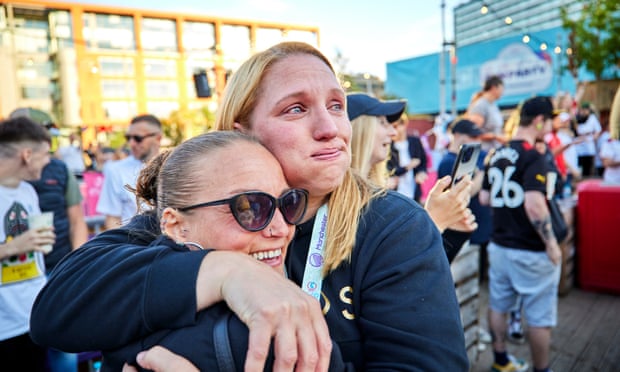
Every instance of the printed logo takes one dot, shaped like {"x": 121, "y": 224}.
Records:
{"x": 316, "y": 260}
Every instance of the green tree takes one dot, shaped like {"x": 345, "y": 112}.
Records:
{"x": 594, "y": 36}
{"x": 186, "y": 123}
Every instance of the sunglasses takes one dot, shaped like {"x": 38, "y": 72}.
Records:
{"x": 138, "y": 139}
{"x": 253, "y": 210}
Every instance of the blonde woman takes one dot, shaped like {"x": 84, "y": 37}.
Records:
{"x": 380, "y": 276}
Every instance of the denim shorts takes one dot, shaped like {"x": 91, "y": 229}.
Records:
{"x": 530, "y": 275}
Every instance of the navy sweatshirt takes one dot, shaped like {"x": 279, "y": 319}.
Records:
{"x": 392, "y": 308}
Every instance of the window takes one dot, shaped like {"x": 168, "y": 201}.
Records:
{"x": 162, "y": 109}
{"x": 159, "y": 35}
{"x": 31, "y": 69}
{"x": 162, "y": 89}
{"x": 160, "y": 68}
{"x": 199, "y": 37}
{"x": 235, "y": 42}
{"x": 31, "y": 35}
{"x": 118, "y": 88}
{"x": 119, "y": 110}
{"x": 108, "y": 31}
{"x": 38, "y": 91}
{"x": 111, "y": 66}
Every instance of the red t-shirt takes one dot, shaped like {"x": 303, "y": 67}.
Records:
{"x": 553, "y": 141}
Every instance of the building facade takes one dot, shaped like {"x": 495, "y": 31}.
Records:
{"x": 522, "y": 41}
{"x": 95, "y": 67}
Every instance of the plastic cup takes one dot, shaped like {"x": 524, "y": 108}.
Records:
{"x": 39, "y": 221}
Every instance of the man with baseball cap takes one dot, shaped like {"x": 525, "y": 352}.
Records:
{"x": 524, "y": 255}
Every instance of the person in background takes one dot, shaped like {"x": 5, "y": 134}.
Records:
{"x": 602, "y": 138}
{"x": 589, "y": 127}
{"x": 370, "y": 145}
{"x": 484, "y": 112}
{"x": 72, "y": 155}
{"x": 376, "y": 244}
{"x": 524, "y": 255}
{"x": 117, "y": 203}
{"x": 58, "y": 192}
{"x": 564, "y": 149}
{"x": 610, "y": 150}
{"x": 24, "y": 151}
{"x": 463, "y": 131}
{"x": 407, "y": 160}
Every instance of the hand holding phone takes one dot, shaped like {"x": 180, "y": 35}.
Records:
{"x": 466, "y": 162}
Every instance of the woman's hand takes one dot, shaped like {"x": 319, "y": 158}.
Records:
{"x": 160, "y": 359}
{"x": 272, "y": 307}
{"x": 449, "y": 208}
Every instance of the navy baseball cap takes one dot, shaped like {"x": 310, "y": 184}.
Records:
{"x": 537, "y": 106}
{"x": 467, "y": 127}
{"x": 362, "y": 104}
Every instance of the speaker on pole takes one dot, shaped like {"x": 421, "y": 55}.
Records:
{"x": 201, "y": 82}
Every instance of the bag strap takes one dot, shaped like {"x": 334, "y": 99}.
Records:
{"x": 221, "y": 342}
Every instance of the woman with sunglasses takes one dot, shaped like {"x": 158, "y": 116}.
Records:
{"x": 376, "y": 263}
{"x": 248, "y": 219}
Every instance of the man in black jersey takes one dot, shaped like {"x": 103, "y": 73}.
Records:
{"x": 524, "y": 255}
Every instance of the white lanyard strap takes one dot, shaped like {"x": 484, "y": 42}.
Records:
{"x": 313, "y": 277}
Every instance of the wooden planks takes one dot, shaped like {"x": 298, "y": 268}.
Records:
{"x": 587, "y": 338}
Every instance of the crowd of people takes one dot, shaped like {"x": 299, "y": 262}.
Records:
{"x": 323, "y": 187}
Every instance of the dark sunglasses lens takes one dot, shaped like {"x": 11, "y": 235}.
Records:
{"x": 138, "y": 139}
{"x": 253, "y": 210}
{"x": 293, "y": 205}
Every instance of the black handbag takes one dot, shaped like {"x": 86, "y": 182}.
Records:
{"x": 558, "y": 223}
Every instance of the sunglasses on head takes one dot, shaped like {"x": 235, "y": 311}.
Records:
{"x": 138, "y": 139}
{"x": 253, "y": 210}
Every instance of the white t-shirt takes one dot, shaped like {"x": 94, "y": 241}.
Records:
{"x": 115, "y": 199}
{"x": 590, "y": 127}
{"x": 406, "y": 183}
{"x": 72, "y": 156}
{"x": 23, "y": 276}
{"x": 570, "y": 154}
{"x": 611, "y": 150}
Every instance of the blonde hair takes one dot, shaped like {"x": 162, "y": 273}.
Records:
{"x": 512, "y": 123}
{"x": 349, "y": 198}
{"x": 614, "y": 117}
{"x": 362, "y": 145}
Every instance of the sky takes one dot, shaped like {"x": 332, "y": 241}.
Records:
{"x": 369, "y": 33}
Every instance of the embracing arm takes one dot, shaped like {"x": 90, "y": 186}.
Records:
{"x": 109, "y": 292}
{"x": 103, "y": 296}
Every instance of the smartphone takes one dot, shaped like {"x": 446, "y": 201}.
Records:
{"x": 466, "y": 162}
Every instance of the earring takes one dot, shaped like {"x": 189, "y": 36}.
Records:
{"x": 194, "y": 245}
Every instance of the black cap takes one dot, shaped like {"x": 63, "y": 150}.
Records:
{"x": 537, "y": 106}
{"x": 363, "y": 104}
{"x": 467, "y": 127}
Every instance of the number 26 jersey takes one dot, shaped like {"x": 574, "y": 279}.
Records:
{"x": 512, "y": 170}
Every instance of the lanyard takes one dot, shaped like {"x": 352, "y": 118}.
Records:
{"x": 313, "y": 278}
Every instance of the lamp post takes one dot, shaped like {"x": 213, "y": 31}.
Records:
{"x": 368, "y": 84}
{"x": 442, "y": 65}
